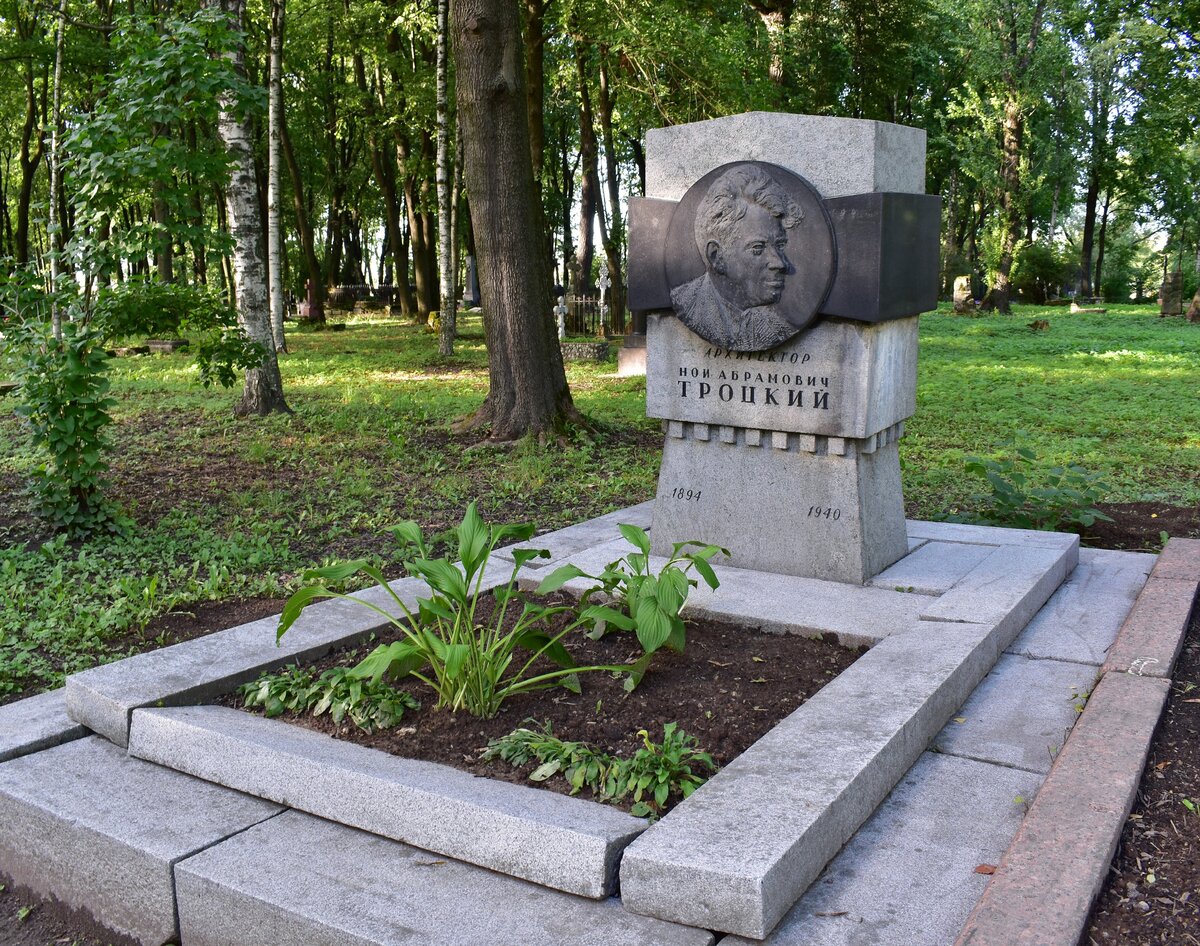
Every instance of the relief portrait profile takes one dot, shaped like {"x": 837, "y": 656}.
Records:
{"x": 758, "y": 260}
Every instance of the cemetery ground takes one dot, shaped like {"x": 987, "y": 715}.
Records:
{"x": 226, "y": 513}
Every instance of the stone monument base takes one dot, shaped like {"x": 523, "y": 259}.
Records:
{"x": 793, "y": 504}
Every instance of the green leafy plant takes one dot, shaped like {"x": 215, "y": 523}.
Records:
{"x": 655, "y": 773}
{"x": 63, "y": 395}
{"x": 368, "y": 704}
{"x": 633, "y": 597}
{"x": 471, "y": 663}
{"x": 1026, "y": 495}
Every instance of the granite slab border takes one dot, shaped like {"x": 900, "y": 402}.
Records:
{"x": 36, "y": 723}
{"x": 566, "y": 843}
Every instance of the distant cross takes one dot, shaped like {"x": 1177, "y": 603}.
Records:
{"x": 560, "y": 312}
{"x": 603, "y": 282}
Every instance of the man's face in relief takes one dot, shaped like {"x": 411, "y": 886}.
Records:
{"x": 750, "y": 270}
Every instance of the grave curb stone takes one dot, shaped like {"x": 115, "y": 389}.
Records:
{"x": 562, "y": 842}
{"x": 563, "y": 543}
{"x": 1044, "y": 887}
{"x": 709, "y": 863}
{"x": 1180, "y": 558}
{"x": 946, "y": 816}
{"x": 104, "y": 697}
{"x": 36, "y": 723}
{"x": 371, "y": 891}
{"x": 99, "y": 831}
{"x": 1152, "y": 635}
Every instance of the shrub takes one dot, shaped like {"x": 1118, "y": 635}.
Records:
{"x": 369, "y": 705}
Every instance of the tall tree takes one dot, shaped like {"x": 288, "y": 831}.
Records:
{"x": 528, "y": 393}
{"x": 448, "y": 300}
{"x": 274, "y": 219}
{"x": 262, "y": 392}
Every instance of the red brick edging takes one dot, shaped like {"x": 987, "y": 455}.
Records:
{"x": 1043, "y": 890}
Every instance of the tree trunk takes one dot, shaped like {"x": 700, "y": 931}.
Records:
{"x": 998, "y": 296}
{"x": 304, "y": 227}
{"x": 535, "y": 83}
{"x": 54, "y": 225}
{"x": 589, "y": 187}
{"x": 447, "y": 301}
{"x": 263, "y": 390}
{"x": 1088, "y": 241}
{"x": 528, "y": 393}
{"x": 1096, "y": 288}
{"x": 274, "y": 221}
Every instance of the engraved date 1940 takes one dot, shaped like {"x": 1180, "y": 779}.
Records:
{"x": 687, "y": 495}
{"x": 824, "y": 512}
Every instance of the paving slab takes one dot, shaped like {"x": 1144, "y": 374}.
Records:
{"x": 908, "y": 877}
{"x": 1043, "y": 891}
{"x": 1152, "y": 636}
{"x": 300, "y": 881}
{"x": 1006, "y": 589}
{"x": 994, "y": 535}
{"x": 103, "y": 698}
{"x": 1179, "y": 559}
{"x": 1081, "y": 620}
{"x": 564, "y": 543}
{"x": 777, "y": 604}
{"x": 739, "y": 852}
{"x": 569, "y": 844}
{"x": 1020, "y": 714}
{"x": 934, "y": 568}
{"x": 100, "y": 832}
{"x": 36, "y": 723}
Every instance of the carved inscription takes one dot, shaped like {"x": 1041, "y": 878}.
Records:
{"x": 786, "y": 385}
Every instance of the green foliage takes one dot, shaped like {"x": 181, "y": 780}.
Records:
{"x": 168, "y": 74}
{"x": 1027, "y": 495}
{"x": 64, "y": 398}
{"x": 1040, "y": 272}
{"x": 368, "y": 704}
{"x": 472, "y": 663}
{"x": 173, "y": 310}
{"x": 655, "y": 773}
{"x": 634, "y": 598}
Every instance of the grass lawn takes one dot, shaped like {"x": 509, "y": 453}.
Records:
{"x": 230, "y": 509}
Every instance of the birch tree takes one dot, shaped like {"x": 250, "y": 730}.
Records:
{"x": 274, "y": 232}
{"x": 262, "y": 392}
{"x": 447, "y": 301}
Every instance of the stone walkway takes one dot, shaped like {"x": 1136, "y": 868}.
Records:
{"x": 864, "y": 818}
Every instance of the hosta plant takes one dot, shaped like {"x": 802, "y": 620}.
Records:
{"x": 369, "y": 705}
{"x": 472, "y": 662}
{"x": 629, "y": 595}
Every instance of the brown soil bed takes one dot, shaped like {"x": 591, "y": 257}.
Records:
{"x": 728, "y": 688}
{"x": 1162, "y": 836}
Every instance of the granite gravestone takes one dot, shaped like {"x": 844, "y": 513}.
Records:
{"x": 781, "y": 290}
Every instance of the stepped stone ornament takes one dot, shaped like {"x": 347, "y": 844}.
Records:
{"x": 780, "y": 262}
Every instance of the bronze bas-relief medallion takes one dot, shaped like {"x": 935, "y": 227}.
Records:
{"x": 750, "y": 256}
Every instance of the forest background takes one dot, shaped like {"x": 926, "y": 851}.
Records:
{"x": 1062, "y": 134}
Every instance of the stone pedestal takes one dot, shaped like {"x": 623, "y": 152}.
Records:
{"x": 1170, "y": 296}
{"x": 788, "y": 457}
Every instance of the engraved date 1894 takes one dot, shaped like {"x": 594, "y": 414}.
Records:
{"x": 687, "y": 495}
{"x": 824, "y": 512}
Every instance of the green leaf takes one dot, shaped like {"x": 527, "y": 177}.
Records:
{"x": 521, "y": 557}
{"x": 444, "y": 577}
{"x": 636, "y": 537}
{"x": 545, "y": 770}
{"x": 456, "y": 659}
{"x": 601, "y": 612}
{"x": 653, "y": 626}
{"x": 559, "y": 577}
{"x": 705, "y": 571}
{"x": 408, "y": 533}
{"x": 472, "y": 540}
{"x": 398, "y": 659}
{"x": 295, "y": 604}
{"x": 537, "y": 642}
